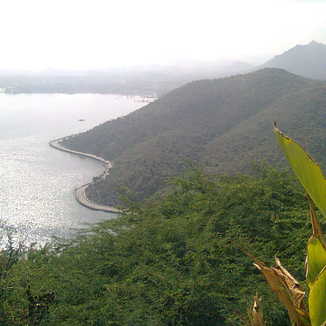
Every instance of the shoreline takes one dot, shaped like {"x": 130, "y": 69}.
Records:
{"x": 79, "y": 192}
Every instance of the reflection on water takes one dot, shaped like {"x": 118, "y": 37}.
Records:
{"x": 37, "y": 182}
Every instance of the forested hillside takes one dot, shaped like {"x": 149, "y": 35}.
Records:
{"x": 173, "y": 261}
{"x": 222, "y": 125}
{"x": 302, "y": 114}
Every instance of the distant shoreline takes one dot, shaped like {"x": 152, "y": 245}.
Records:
{"x": 149, "y": 96}
{"x": 80, "y": 192}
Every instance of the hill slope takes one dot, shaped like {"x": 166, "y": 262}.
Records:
{"x": 305, "y": 60}
{"x": 302, "y": 114}
{"x": 223, "y": 124}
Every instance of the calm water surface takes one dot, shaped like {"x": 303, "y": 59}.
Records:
{"x": 37, "y": 182}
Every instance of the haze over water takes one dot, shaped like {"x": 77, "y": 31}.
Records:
{"x": 37, "y": 182}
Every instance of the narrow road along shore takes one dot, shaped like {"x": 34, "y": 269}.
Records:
{"x": 80, "y": 192}
{"x": 82, "y": 199}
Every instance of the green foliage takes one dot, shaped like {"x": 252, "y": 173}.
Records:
{"x": 280, "y": 280}
{"x": 316, "y": 258}
{"x": 306, "y": 169}
{"x": 314, "y": 182}
{"x": 317, "y": 300}
{"x": 170, "y": 261}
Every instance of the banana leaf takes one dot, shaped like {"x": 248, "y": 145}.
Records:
{"x": 306, "y": 169}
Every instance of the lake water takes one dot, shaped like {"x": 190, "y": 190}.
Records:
{"x": 36, "y": 181}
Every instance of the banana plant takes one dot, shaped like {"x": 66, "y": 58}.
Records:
{"x": 282, "y": 283}
{"x": 255, "y": 313}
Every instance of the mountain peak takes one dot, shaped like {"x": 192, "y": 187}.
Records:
{"x": 308, "y": 60}
{"x": 313, "y": 42}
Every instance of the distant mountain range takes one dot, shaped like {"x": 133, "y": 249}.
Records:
{"x": 305, "y": 60}
{"x": 151, "y": 80}
{"x": 222, "y": 125}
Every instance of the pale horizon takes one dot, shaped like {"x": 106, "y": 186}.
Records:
{"x": 41, "y": 35}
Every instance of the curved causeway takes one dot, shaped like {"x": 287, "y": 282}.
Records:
{"x": 80, "y": 192}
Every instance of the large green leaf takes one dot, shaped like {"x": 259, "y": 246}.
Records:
{"x": 317, "y": 300}
{"x": 316, "y": 258}
{"x": 316, "y": 255}
{"x": 306, "y": 169}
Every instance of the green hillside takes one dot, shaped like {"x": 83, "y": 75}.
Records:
{"x": 302, "y": 115}
{"x": 221, "y": 124}
{"x": 174, "y": 261}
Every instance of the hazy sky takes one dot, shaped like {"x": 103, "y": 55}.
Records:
{"x": 74, "y": 34}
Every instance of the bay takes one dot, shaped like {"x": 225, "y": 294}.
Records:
{"x": 36, "y": 181}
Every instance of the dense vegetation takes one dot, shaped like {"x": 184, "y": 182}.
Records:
{"x": 304, "y": 60}
{"x": 306, "y": 303}
{"x": 171, "y": 261}
{"x": 222, "y": 125}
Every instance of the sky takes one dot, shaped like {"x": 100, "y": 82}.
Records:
{"x": 98, "y": 34}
